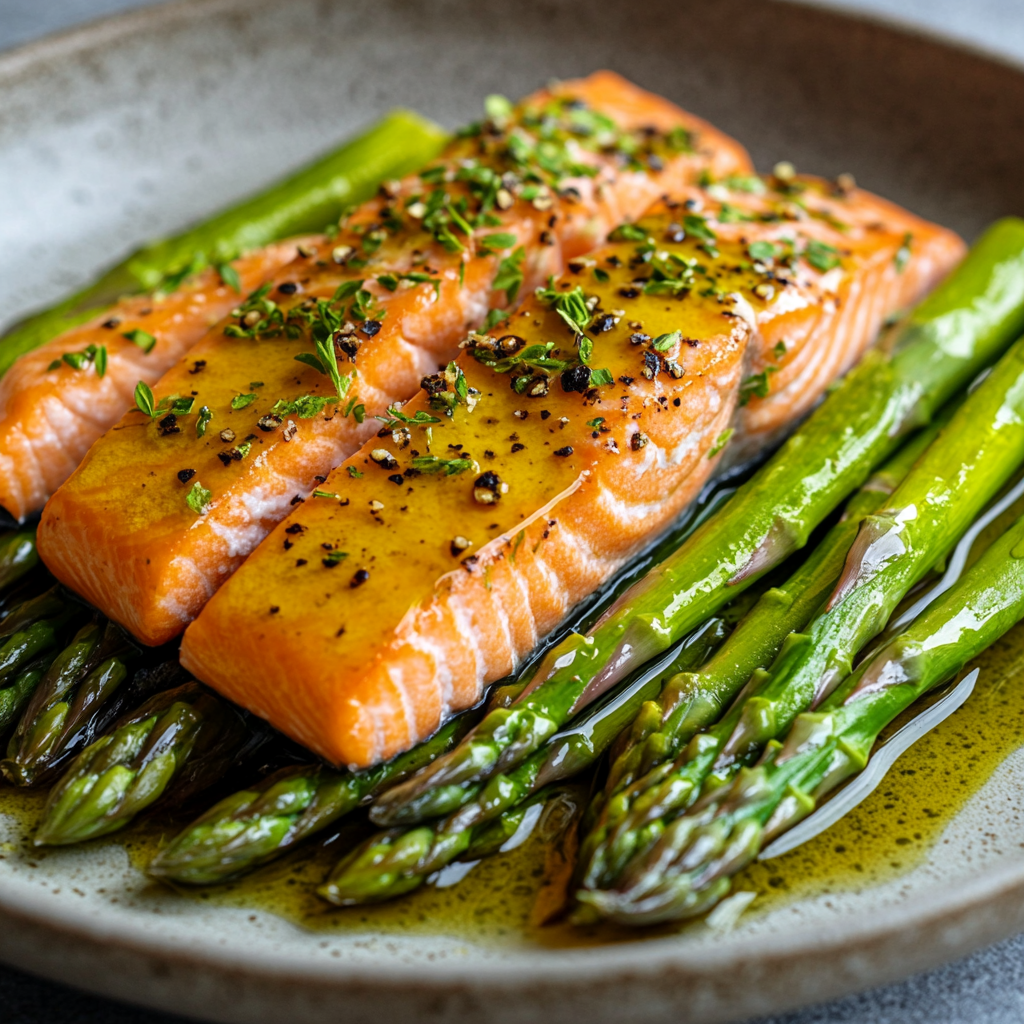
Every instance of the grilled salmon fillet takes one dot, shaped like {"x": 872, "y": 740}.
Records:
{"x": 164, "y": 508}
{"x": 58, "y": 399}
{"x": 561, "y": 442}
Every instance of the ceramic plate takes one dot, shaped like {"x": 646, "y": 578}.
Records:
{"x": 132, "y": 127}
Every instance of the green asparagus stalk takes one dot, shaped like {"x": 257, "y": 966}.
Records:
{"x": 970, "y": 319}
{"x": 395, "y": 862}
{"x": 28, "y": 634}
{"x": 257, "y": 825}
{"x": 139, "y": 762}
{"x": 691, "y": 701}
{"x": 947, "y": 488}
{"x": 15, "y": 695}
{"x": 18, "y": 556}
{"x": 85, "y": 674}
{"x": 307, "y": 201}
{"x": 691, "y": 865}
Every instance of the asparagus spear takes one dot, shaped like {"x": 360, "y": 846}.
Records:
{"x": 394, "y": 862}
{"x": 692, "y": 701}
{"x": 14, "y": 695}
{"x": 970, "y": 319}
{"x": 85, "y": 674}
{"x": 690, "y": 867}
{"x": 306, "y": 201}
{"x": 259, "y": 824}
{"x": 177, "y": 742}
{"x": 947, "y": 488}
{"x": 18, "y": 556}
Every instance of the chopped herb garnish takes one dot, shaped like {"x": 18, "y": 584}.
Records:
{"x": 198, "y": 498}
{"x": 509, "y": 278}
{"x": 761, "y": 251}
{"x": 353, "y": 472}
{"x": 721, "y": 441}
{"x": 902, "y": 254}
{"x": 491, "y": 243}
{"x": 332, "y": 558}
{"x": 756, "y": 385}
{"x": 241, "y": 401}
{"x": 305, "y": 407}
{"x": 324, "y": 494}
{"x": 391, "y": 281}
{"x": 600, "y": 376}
{"x": 697, "y": 227}
{"x": 435, "y": 464}
{"x": 396, "y": 418}
{"x": 628, "y": 233}
{"x": 600, "y": 275}
{"x": 143, "y": 339}
{"x": 665, "y": 341}
{"x": 596, "y": 422}
{"x": 495, "y": 317}
{"x": 571, "y": 306}
{"x": 205, "y": 415}
{"x": 821, "y": 256}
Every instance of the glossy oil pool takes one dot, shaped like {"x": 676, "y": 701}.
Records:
{"x": 507, "y": 898}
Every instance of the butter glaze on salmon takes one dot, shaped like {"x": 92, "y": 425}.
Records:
{"x": 437, "y": 558}
{"x": 541, "y": 184}
{"x": 51, "y": 412}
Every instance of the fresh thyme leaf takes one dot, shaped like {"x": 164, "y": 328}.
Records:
{"x": 721, "y": 441}
{"x": 509, "y": 278}
{"x": 230, "y": 277}
{"x": 305, "y": 406}
{"x": 241, "y": 401}
{"x": 491, "y": 243}
{"x": 353, "y": 472}
{"x": 600, "y": 275}
{"x": 601, "y": 376}
{"x": 334, "y": 557}
{"x": 493, "y": 318}
{"x": 697, "y": 226}
{"x": 664, "y": 342}
{"x": 144, "y": 399}
{"x": 756, "y": 385}
{"x": 324, "y": 494}
{"x": 198, "y": 498}
{"x": 396, "y": 418}
{"x": 761, "y": 251}
{"x": 347, "y": 290}
{"x": 311, "y": 360}
{"x": 100, "y": 361}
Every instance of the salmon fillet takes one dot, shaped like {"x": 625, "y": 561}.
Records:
{"x": 434, "y": 560}
{"x": 58, "y": 399}
{"x": 389, "y": 299}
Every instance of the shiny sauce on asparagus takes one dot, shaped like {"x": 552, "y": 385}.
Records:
{"x": 505, "y": 899}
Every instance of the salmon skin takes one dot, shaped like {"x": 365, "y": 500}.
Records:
{"x": 58, "y": 399}
{"x": 560, "y": 443}
{"x": 164, "y": 509}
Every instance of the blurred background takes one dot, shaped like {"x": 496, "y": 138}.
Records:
{"x": 997, "y": 25}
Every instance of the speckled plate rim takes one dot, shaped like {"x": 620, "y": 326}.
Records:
{"x": 982, "y": 911}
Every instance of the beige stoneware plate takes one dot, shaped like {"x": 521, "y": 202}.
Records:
{"x": 120, "y": 131}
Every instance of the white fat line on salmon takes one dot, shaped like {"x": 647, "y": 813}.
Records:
{"x": 493, "y": 547}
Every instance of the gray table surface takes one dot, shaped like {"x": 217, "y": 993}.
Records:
{"x": 986, "y": 988}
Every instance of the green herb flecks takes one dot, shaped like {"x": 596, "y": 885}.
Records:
{"x": 199, "y": 498}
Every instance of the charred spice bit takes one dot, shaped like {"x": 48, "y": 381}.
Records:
{"x": 184, "y": 475}
{"x": 227, "y": 435}
{"x": 169, "y": 425}
{"x": 268, "y": 423}
{"x": 638, "y": 440}
{"x": 458, "y": 545}
{"x": 274, "y": 609}
{"x": 564, "y": 452}
{"x": 197, "y": 366}
{"x": 294, "y": 528}
{"x": 359, "y": 578}
{"x": 489, "y": 488}
{"x": 370, "y": 328}
{"x": 383, "y": 458}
